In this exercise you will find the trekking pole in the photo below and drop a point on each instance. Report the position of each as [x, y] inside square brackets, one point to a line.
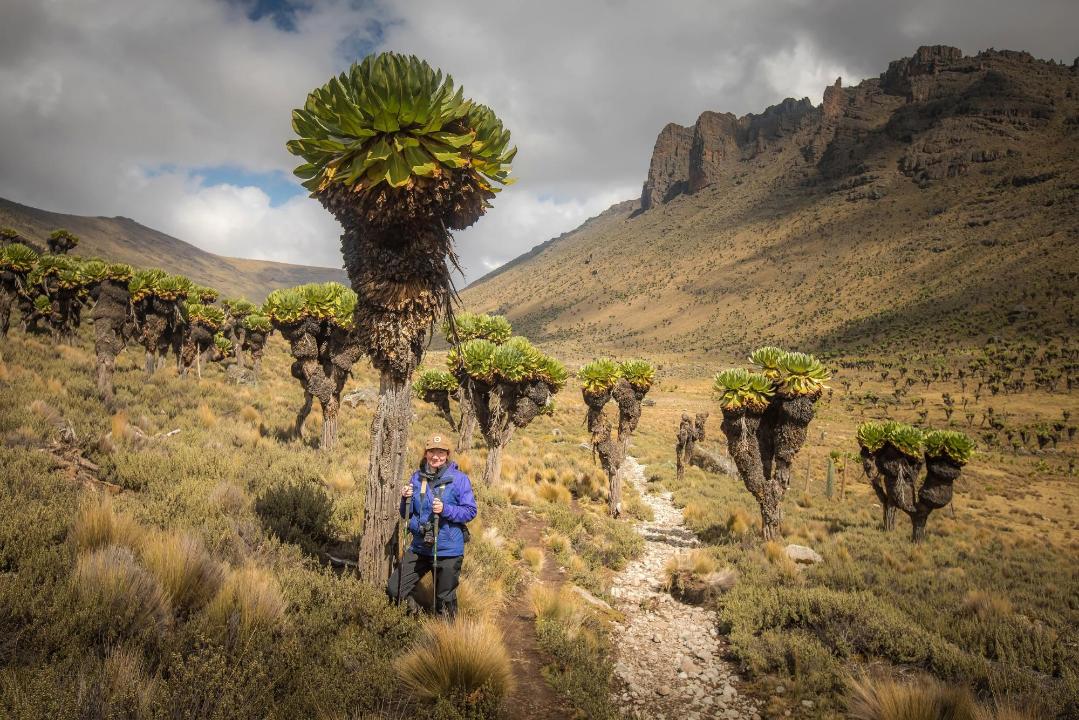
[434, 563]
[400, 555]
[434, 571]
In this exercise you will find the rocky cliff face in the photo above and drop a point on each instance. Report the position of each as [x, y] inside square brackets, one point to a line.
[946, 113]
[668, 174]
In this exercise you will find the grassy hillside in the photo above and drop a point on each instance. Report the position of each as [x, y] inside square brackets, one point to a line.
[988, 601]
[124, 240]
[874, 227]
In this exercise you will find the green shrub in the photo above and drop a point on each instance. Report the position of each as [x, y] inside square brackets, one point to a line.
[298, 512]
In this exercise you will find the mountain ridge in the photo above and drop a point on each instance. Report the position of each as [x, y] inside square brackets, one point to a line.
[935, 203]
[121, 239]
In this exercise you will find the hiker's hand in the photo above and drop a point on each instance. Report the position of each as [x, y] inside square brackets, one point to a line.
[437, 506]
[406, 491]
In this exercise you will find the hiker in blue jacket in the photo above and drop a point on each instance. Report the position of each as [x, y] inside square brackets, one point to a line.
[438, 496]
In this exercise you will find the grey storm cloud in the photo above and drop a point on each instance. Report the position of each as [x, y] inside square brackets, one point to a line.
[111, 106]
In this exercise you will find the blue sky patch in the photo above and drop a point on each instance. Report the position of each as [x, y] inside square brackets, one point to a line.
[280, 186]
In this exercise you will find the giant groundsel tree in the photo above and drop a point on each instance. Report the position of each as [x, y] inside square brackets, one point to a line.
[113, 320]
[317, 321]
[400, 157]
[509, 385]
[893, 454]
[460, 328]
[16, 263]
[765, 418]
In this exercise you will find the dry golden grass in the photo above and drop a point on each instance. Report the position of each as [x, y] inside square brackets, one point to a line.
[466, 659]
[739, 524]
[250, 415]
[207, 417]
[922, 699]
[249, 603]
[560, 606]
[555, 493]
[696, 562]
[45, 411]
[98, 525]
[986, 605]
[695, 514]
[340, 479]
[231, 499]
[555, 541]
[533, 557]
[519, 494]
[184, 568]
[480, 600]
[775, 552]
[119, 598]
[5, 374]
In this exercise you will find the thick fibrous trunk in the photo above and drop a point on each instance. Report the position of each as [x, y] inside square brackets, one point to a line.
[749, 440]
[629, 399]
[8, 294]
[935, 492]
[385, 472]
[791, 421]
[468, 421]
[199, 338]
[324, 356]
[255, 344]
[691, 432]
[603, 444]
[110, 314]
[900, 473]
[155, 329]
[876, 480]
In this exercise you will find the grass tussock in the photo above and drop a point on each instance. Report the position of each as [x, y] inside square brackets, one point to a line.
[230, 499]
[695, 562]
[739, 524]
[186, 571]
[117, 597]
[340, 480]
[464, 663]
[98, 525]
[926, 698]
[480, 600]
[986, 605]
[120, 687]
[533, 557]
[556, 542]
[207, 417]
[250, 416]
[555, 493]
[249, 603]
[559, 606]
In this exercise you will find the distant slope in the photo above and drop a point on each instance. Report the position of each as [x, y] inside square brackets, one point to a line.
[121, 239]
[937, 204]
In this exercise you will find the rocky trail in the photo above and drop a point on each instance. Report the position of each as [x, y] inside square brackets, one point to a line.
[669, 663]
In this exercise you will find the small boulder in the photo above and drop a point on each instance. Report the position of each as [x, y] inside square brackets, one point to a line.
[802, 554]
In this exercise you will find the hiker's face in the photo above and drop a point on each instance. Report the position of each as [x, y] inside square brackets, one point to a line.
[436, 458]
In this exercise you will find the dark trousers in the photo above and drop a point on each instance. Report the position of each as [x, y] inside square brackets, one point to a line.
[414, 566]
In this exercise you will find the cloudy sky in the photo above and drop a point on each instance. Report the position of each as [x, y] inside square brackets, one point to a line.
[175, 113]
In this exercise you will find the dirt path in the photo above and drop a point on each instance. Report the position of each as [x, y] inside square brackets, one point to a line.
[669, 659]
[533, 697]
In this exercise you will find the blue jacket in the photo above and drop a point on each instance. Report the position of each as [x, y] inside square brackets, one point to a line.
[458, 507]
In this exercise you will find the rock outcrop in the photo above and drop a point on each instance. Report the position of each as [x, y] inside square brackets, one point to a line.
[945, 112]
[668, 174]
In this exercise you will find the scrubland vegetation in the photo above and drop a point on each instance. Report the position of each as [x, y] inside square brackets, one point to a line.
[189, 574]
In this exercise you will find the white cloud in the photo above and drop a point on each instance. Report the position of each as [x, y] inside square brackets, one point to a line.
[96, 96]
